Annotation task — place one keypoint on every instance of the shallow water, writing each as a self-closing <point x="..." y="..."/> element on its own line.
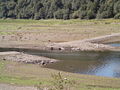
<point x="100" y="64"/>
<point x="115" y="44"/>
<point x="92" y="63"/>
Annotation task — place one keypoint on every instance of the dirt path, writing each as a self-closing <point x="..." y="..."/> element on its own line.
<point x="12" y="87"/>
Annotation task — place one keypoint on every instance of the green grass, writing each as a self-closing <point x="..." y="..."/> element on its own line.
<point x="15" y="24"/>
<point x="74" y="26"/>
<point x="2" y="64"/>
<point x="18" y="80"/>
<point x="25" y="81"/>
<point x="31" y="75"/>
<point x="57" y="21"/>
<point x="6" y="33"/>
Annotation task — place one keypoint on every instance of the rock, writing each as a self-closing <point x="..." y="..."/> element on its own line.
<point x="43" y="63"/>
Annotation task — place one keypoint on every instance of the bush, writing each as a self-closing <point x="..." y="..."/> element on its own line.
<point x="75" y="15"/>
<point x="83" y="15"/>
<point x="58" y="14"/>
<point x="59" y="83"/>
<point x="90" y="15"/>
<point x="117" y="16"/>
<point x="36" y="17"/>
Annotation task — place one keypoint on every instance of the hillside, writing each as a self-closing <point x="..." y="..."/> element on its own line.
<point x="59" y="9"/>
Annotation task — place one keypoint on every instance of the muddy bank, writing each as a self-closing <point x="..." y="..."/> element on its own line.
<point x="94" y="44"/>
<point x="26" y="58"/>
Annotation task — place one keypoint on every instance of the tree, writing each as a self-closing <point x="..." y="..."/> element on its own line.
<point x="117" y="7"/>
<point x="3" y="10"/>
<point x="59" y="14"/>
<point x="117" y="16"/>
<point x="60" y="9"/>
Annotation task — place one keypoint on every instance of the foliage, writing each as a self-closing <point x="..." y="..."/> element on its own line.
<point x="59" y="9"/>
<point x="61" y="83"/>
<point x="117" y="16"/>
<point x="58" y="83"/>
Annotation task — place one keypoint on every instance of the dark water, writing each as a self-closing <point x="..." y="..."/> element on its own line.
<point x="92" y="63"/>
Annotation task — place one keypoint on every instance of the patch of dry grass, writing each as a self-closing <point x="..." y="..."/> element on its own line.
<point x="44" y="31"/>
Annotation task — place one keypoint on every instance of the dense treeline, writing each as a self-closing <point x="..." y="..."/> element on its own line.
<point x="59" y="9"/>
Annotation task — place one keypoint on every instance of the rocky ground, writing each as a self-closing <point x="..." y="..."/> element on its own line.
<point x="26" y="58"/>
<point x="94" y="44"/>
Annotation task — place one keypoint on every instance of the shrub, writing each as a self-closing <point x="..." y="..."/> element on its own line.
<point x="117" y="16"/>
<point x="61" y="83"/>
<point x="58" y="83"/>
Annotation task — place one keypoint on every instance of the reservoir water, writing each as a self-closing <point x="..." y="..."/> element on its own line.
<point x="115" y="44"/>
<point x="92" y="63"/>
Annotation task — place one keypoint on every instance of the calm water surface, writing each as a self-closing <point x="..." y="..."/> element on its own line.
<point x="115" y="44"/>
<point x="93" y="63"/>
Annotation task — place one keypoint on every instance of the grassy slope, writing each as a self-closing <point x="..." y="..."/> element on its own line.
<point x="39" y="32"/>
<point x="22" y="74"/>
<point x="89" y="28"/>
<point x="57" y="30"/>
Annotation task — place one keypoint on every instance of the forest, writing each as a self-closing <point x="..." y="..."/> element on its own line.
<point x="60" y="9"/>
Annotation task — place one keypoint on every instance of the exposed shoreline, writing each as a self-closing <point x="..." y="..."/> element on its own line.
<point x="94" y="44"/>
<point x="26" y="58"/>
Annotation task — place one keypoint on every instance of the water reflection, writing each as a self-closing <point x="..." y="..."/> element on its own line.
<point x="92" y="63"/>
<point x="100" y="64"/>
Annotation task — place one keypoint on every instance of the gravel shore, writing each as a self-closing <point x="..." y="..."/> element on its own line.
<point x="94" y="44"/>
<point x="26" y="58"/>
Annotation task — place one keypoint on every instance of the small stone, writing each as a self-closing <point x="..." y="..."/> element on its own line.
<point x="4" y="59"/>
